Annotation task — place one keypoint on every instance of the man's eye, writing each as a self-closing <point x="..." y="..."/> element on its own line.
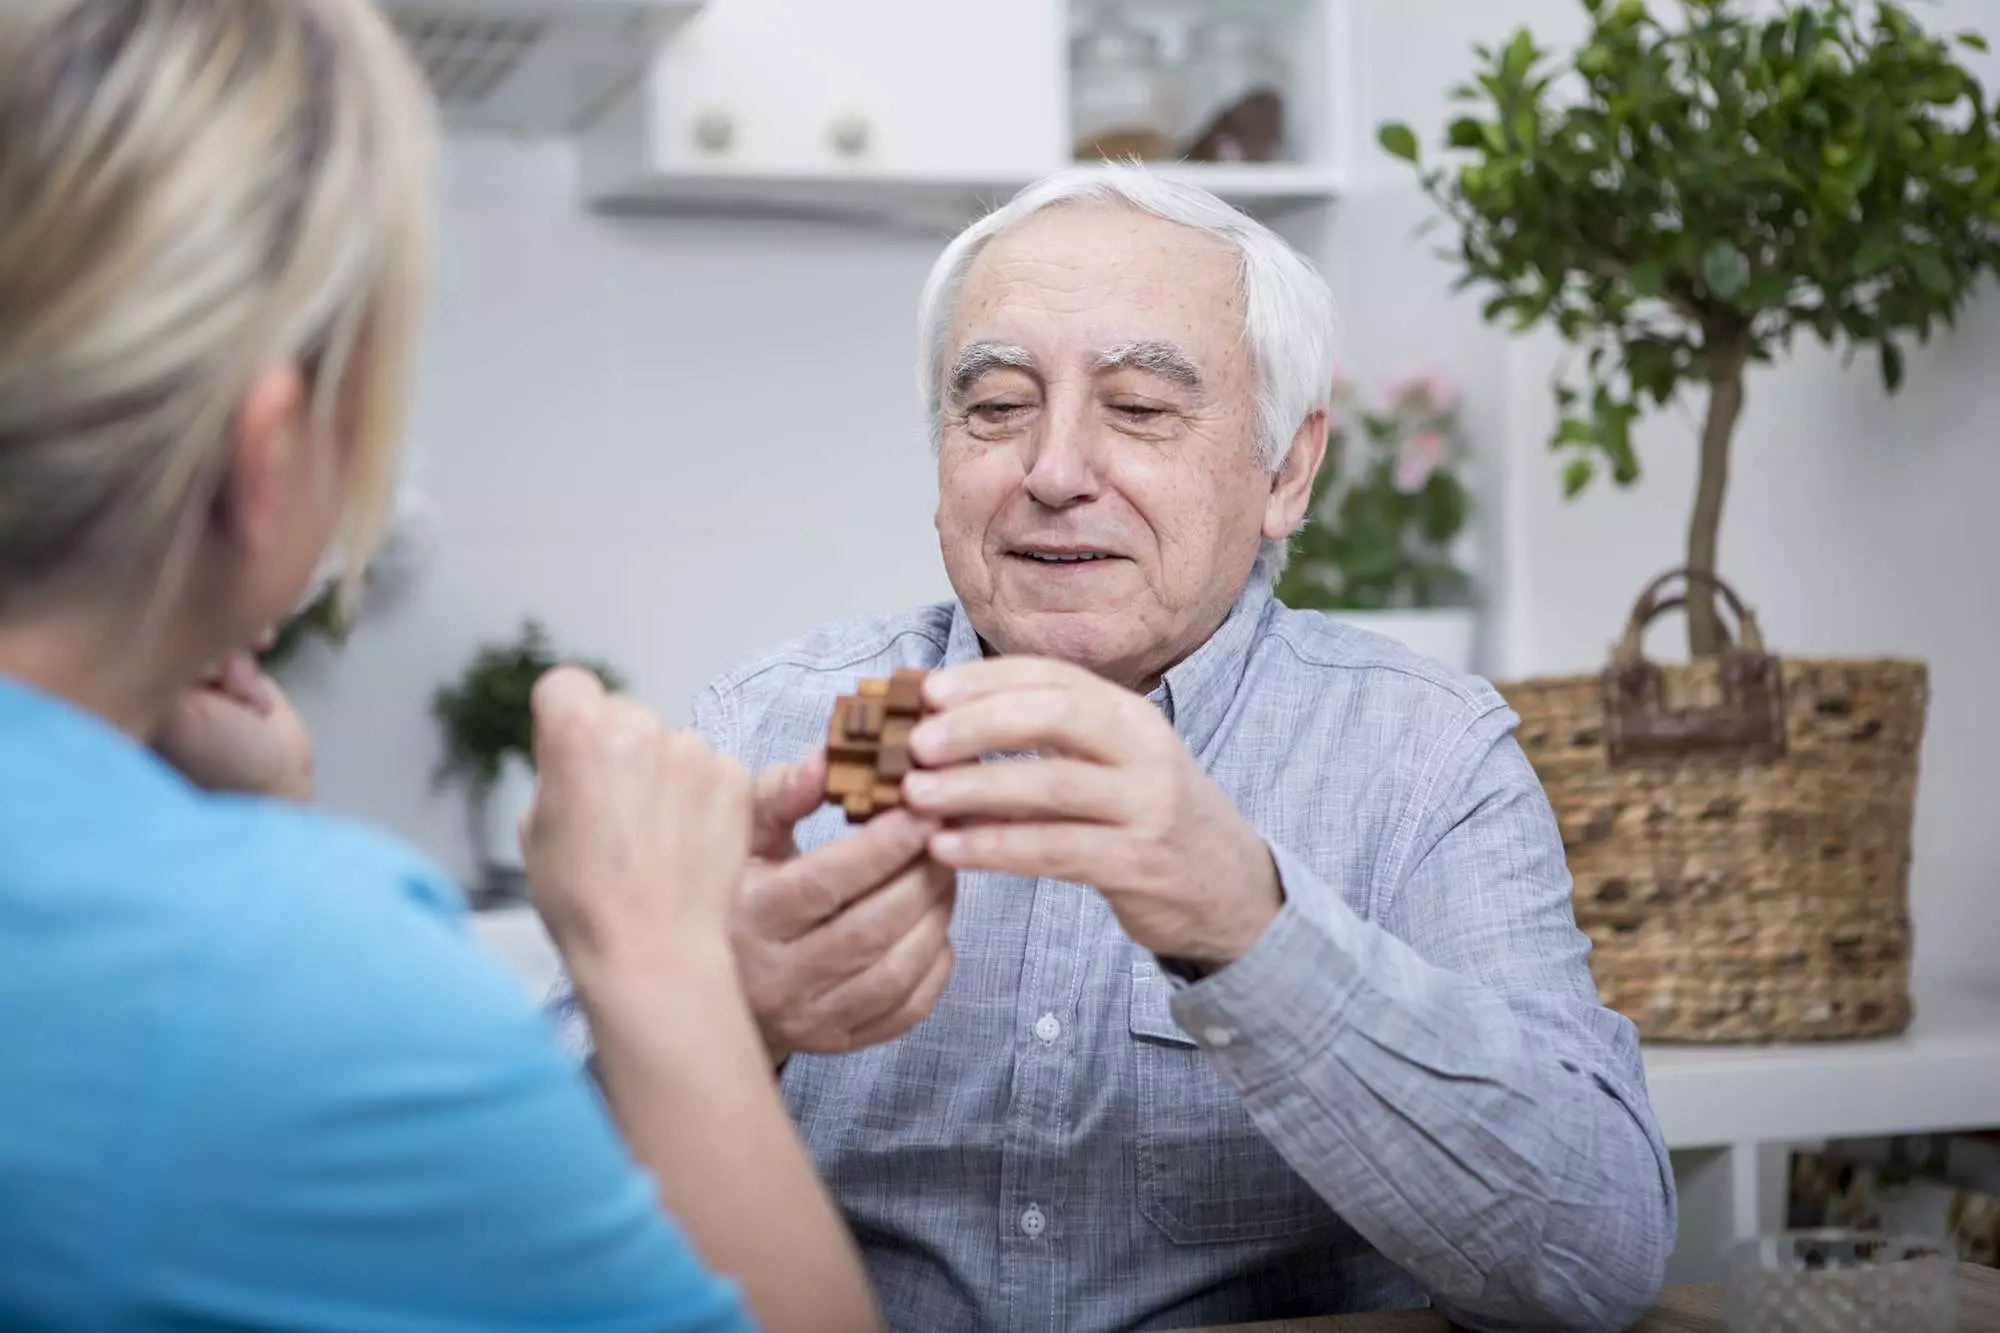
<point x="1138" y="411"/>
<point x="997" y="412"/>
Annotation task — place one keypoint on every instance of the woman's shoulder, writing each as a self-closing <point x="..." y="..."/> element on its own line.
<point x="286" y="1064"/>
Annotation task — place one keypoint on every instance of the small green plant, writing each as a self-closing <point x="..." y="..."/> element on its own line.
<point x="1679" y="200"/>
<point x="322" y="618"/>
<point x="485" y="716"/>
<point x="1386" y="507"/>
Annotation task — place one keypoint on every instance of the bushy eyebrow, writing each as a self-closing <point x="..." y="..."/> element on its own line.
<point x="1154" y="357"/>
<point x="976" y="359"/>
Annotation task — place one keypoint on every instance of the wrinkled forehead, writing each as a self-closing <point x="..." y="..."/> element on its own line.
<point x="1077" y="286"/>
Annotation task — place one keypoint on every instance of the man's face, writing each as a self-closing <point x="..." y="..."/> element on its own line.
<point x="1101" y="494"/>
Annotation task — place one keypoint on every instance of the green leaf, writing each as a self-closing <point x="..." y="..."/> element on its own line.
<point x="1576" y="476"/>
<point x="1932" y="272"/>
<point x="1647" y="278"/>
<point x="1807" y="38"/>
<point x="1573" y="430"/>
<point x="1972" y="41"/>
<point x="1465" y="132"/>
<point x="1876" y="255"/>
<point x="1892" y="366"/>
<point x="1398" y="140"/>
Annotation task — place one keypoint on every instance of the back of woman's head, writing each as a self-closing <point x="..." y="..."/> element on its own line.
<point x="193" y="192"/>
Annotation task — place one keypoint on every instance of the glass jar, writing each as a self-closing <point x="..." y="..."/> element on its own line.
<point x="1121" y="93"/>
<point x="1233" y="93"/>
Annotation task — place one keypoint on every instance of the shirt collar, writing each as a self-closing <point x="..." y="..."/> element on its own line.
<point x="1196" y="694"/>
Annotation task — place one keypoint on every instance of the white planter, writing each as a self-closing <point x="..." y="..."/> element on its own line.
<point x="500" y="815"/>
<point x="1445" y="634"/>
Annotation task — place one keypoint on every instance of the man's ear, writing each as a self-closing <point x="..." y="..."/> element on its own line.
<point x="264" y="454"/>
<point x="1291" y="484"/>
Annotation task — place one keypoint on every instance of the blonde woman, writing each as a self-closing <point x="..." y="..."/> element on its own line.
<point x="253" y="1073"/>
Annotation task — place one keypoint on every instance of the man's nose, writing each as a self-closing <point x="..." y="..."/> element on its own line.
<point x="1062" y="470"/>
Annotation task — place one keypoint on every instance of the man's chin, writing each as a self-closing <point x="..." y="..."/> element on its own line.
<point x="1095" y="638"/>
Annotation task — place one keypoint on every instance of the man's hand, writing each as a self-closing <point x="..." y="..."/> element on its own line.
<point x="636" y="844"/>
<point x="1113" y="800"/>
<point x="235" y="731"/>
<point x="848" y="946"/>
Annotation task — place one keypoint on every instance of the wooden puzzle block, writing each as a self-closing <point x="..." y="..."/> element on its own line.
<point x="868" y="743"/>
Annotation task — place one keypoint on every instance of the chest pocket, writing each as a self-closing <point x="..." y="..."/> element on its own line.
<point x="1206" y="1174"/>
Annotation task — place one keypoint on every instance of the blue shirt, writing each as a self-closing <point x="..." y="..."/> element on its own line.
<point x="1408" y="1089"/>
<point x="255" y="1074"/>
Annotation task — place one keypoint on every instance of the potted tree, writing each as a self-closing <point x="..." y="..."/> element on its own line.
<point x="1679" y="198"/>
<point x="1388" y="507"/>
<point x="488" y="733"/>
<point x="1702" y="193"/>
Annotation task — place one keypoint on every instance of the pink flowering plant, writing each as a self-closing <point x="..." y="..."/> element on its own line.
<point x="1387" y="506"/>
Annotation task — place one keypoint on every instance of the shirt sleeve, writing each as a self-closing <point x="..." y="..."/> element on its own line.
<point x="384" y="1135"/>
<point x="1445" y="1076"/>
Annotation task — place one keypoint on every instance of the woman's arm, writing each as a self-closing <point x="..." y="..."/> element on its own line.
<point x="635" y="849"/>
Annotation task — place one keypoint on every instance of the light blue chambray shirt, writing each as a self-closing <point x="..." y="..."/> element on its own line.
<point x="1408" y="1088"/>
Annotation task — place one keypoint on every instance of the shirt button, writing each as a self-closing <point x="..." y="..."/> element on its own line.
<point x="1219" y="1036"/>
<point x="1048" y="1027"/>
<point x="1032" y="1222"/>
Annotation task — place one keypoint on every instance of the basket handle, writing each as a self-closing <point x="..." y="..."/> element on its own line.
<point x="1652" y="605"/>
<point x="1749" y="722"/>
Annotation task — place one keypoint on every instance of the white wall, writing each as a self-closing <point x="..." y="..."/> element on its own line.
<point x="675" y="441"/>
<point x="678" y="440"/>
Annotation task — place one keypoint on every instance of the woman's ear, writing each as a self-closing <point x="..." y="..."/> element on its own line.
<point x="1291" y="484"/>
<point x="265" y="455"/>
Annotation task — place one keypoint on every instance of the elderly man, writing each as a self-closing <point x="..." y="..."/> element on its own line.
<point x="1267" y="1000"/>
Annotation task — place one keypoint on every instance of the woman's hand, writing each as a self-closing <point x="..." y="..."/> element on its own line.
<point x="235" y="731"/>
<point x="638" y="839"/>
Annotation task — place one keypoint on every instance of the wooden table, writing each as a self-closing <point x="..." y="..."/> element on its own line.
<point x="1681" y="1310"/>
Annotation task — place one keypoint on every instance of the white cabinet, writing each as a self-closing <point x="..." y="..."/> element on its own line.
<point x="923" y="109"/>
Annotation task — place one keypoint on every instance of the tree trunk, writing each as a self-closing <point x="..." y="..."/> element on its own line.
<point x="1726" y="362"/>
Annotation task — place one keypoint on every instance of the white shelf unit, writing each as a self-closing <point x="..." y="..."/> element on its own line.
<point x="1733" y="1113"/>
<point x="921" y="111"/>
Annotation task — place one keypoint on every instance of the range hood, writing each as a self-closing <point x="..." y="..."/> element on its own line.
<point x="532" y="67"/>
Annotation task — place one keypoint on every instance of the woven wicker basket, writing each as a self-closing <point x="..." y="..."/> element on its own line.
<point x="1739" y="832"/>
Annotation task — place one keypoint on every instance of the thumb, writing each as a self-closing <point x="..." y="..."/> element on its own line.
<point x="781" y="796"/>
<point x="563" y="700"/>
<point x="242" y="680"/>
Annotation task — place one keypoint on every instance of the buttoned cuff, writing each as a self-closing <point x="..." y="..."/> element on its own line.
<point x="1278" y="1007"/>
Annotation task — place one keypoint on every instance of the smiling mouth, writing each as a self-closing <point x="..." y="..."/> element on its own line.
<point x="1064" y="557"/>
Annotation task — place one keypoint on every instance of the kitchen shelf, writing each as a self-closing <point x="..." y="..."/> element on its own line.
<point x="1941" y="1074"/>
<point x="931" y="199"/>
<point x="887" y="111"/>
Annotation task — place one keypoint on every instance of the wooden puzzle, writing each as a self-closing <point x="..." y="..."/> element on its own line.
<point x="868" y="743"/>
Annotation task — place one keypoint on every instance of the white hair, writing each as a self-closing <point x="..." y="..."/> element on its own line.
<point x="1288" y="311"/>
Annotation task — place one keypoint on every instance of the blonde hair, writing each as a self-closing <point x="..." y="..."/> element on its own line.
<point x="193" y="192"/>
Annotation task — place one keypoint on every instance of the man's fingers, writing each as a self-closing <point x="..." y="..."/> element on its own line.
<point x="880" y="991"/>
<point x="914" y="1009"/>
<point x="1072" y="722"/>
<point x="950" y="687"/>
<point x="1076" y="853"/>
<point x="854" y="940"/>
<point x="801" y="893"/>
<point x="1021" y="789"/>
